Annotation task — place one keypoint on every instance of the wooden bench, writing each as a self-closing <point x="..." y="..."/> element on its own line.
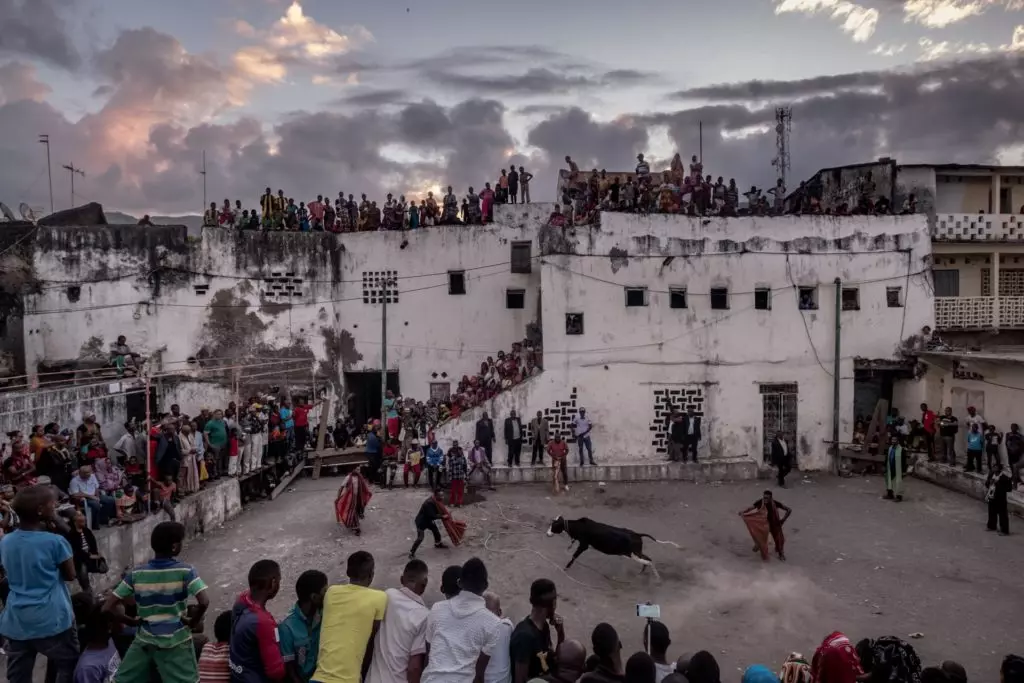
<point x="353" y="456"/>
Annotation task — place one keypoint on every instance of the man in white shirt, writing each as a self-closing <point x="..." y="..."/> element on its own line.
<point x="125" y="447"/>
<point x="499" y="669"/>
<point x="462" y="635"/>
<point x="400" y="648"/>
<point x="581" y="428"/>
<point x="85" y="491"/>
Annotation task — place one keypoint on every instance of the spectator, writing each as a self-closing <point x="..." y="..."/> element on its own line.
<point x="975" y="444"/>
<point x="759" y="673"/>
<point x="299" y="633"/>
<point x="513" y="185"/>
<point x="351" y="620"/>
<point x="1014" y="449"/>
<point x="399" y="651"/>
<point x="513" y="438"/>
<point x="499" y="669"/>
<point x="703" y="668"/>
<point x="608" y="657"/>
<point x="215" y="440"/>
<point x="83" y="545"/>
<point x="461" y="631"/>
<point x="640" y="668"/>
<point x="450" y="578"/>
<point x="558" y="450"/>
<point x="524" y="180"/>
<point x="656" y="642"/>
<point x="1012" y="669"/>
<point x="255" y="656"/>
<point x="85" y="491"/>
<point x="478" y="463"/>
<point x="531" y="647"/>
<point x="954" y="671"/>
<point x="214" y="659"/>
<point x="456" y="467"/>
<point x="160" y="590"/>
<point x="99" y="660"/>
<point x="435" y="461"/>
<point x="582" y="427"/>
<point x="997" y="486"/>
<point x="948" y="428"/>
<point x="37" y="616"/>
<point x="539" y="427"/>
<point x="993" y="440"/>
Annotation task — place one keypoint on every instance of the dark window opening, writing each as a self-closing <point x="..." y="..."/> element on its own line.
<point x="808" y="298"/>
<point x="574" y="323"/>
<point x="74" y="293"/>
<point x="522" y="257"/>
<point x="515" y="298"/>
<point x="456" y="282"/>
<point x="851" y="299"/>
<point x="719" y="298"/>
<point x="636" y="296"/>
<point x="894" y="297"/>
<point x="763" y="299"/>
<point x="677" y="297"/>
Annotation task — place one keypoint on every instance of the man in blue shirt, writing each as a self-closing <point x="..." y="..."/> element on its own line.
<point x="299" y="633"/>
<point x="374" y="454"/>
<point x="435" y="460"/>
<point x="37" y="619"/>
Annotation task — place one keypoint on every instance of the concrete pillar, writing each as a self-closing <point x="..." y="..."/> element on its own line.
<point x="996" y="188"/>
<point x="995" y="289"/>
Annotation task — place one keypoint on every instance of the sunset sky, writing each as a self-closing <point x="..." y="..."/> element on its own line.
<point x="375" y="96"/>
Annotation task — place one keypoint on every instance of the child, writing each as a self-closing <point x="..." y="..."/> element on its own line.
<point x="162" y="495"/>
<point x="160" y="589"/>
<point x="413" y="463"/>
<point x="390" y="463"/>
<point x="213" y="662"/>
<point x="99" y="660"/>
<point x="254" y="652"/>
<point x="133" y="470"/>
<point x="993" y="439"/>
<point x="299" y="633"/>
<point x="456" y="467"/>
<point x="37" y="617"/>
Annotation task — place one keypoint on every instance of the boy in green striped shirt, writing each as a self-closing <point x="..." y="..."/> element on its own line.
<point x="160" y="590"/>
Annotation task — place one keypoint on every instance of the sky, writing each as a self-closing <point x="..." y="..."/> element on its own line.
<point x="410" y="96"/>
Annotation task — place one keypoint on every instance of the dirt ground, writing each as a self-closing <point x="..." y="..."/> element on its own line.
<point x="856" y="563"/>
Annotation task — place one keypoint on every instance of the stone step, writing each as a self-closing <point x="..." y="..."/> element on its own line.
<point x="704" y="472"/>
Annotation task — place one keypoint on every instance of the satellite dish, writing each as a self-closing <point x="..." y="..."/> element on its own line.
<point x="26" y="212"/>
<point x="8" y="214"/>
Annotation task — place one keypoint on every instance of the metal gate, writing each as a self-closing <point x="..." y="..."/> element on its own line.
<point x="778" y="403"/>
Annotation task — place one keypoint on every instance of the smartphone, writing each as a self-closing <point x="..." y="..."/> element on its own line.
<point x="648" y="611"/>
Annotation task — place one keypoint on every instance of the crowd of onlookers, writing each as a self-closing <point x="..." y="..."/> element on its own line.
<point x="153" y="623"/>
<point x="347" y="214"/>
<point x="691" y="192"/>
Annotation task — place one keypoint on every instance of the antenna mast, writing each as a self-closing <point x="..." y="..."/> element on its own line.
<point x="783" y="127"/>
<point x="70" y="168"/>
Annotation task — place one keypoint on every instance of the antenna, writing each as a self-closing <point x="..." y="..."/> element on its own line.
<point x="45" y="140"/>
<point x="783" y="127"/>
<point x="72" y="170"/>
<point x="203" y="173"/>
<point x="26" y="212"/>
<point x="6" y="211"/>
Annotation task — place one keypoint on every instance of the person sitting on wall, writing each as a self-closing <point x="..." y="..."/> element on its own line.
<point x="211" y="216"/>
<point x="121" y="356"/>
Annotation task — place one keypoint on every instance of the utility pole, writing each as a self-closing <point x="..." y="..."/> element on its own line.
<point x="203" y="173"/>
<point x="387" y="284"/>
<point x="72" y="170"/>
<point x="45" y="140"/>
<point x="700" y="141"/>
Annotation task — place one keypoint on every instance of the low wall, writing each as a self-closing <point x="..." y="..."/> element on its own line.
<point x="740" y="469"/>
<point x="967" y="483"/>
<point x="127" y="546"/>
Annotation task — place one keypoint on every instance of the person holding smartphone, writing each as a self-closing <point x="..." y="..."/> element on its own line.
<point x="531" y="650"/>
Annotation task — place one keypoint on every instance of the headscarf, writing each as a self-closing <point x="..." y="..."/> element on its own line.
<point x="795" y="669"/>
<point x="759" y="673"/>
<point x="835" y="661"/>
<point x="889" y="660"/>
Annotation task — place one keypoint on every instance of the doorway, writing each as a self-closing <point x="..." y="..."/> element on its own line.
<point x="135" y="406"/>
<point x="778" y="405"/>
<point x="363" y="394"/>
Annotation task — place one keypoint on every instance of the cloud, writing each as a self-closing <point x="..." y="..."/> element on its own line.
<point x="889" y="50"/>
<point x="538" y="81"/>
<point x="38" y="29"/>
<point x="856" y="20"/>
<point x="590" y="142"/>
<point x="932" y="50"/>
<point x="18" y="82"/>
<point x="373" y="98"/>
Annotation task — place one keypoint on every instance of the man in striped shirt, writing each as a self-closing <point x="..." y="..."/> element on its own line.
<point x="161" y="589"/>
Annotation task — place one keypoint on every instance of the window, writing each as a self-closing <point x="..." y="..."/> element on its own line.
<point x="456" y="282"/>
<point x="851" y="299"/>
<point x="894" y="297"/>
<point x="807" y="298"/>
<point x="522" y="257"/>
<point x="376" y="285"/>
<point x="719" y="298"/>
<point x="440" y="391"/>
<point x="636" y="296"/>
<point x="677" y="297"/>
<point x="763" y="299"/>
<point x="947" y="282"/>
<point x="515" y="298"/>
<point x="574" y="323"/>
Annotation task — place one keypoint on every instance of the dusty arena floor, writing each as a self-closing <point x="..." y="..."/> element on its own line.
<point x="856" y="563"/>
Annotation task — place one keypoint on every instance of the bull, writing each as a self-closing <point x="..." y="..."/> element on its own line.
<point x="610" y="540"/>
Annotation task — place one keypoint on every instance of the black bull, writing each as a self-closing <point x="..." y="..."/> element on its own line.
<point x="610" y="540"/>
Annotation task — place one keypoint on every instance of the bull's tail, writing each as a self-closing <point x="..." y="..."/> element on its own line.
<point x="661" y="542"/>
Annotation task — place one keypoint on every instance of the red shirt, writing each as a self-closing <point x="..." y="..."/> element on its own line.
<point x="928" y="421"/>
<point x="301" y="415"/>
<point x="558" y="449"/>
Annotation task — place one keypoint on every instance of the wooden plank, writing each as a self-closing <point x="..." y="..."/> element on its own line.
<point x="285" y="481"/>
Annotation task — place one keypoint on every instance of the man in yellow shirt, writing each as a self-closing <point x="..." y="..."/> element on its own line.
<point x="351" y="618"/>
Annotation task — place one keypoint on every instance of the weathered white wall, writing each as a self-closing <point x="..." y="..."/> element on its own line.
<point x="65" y="406"/>
<point x="919" y="181"/>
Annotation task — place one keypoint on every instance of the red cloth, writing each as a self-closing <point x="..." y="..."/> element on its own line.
<point x="393" y="425"/>
<point x="353" y="497"/>
<point x="301" y="415"/>
<point x="456" y="529"/>
<point x="928" y="421"/>
<point x="458" y="489"/>
<point x="835" y="661"/>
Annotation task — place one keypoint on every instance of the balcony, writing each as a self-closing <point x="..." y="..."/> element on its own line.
<point x="953" y="313"/>
<point x="978" y="227"/>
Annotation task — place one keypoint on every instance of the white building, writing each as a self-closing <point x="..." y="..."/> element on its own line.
<point x="636" y="315"/>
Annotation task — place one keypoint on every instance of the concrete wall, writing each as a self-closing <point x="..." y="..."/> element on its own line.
<point x="919" y="181"/>
<point x="127" y="546"/>
<point x="962" y="194"/>
<point x="65" y="406"/>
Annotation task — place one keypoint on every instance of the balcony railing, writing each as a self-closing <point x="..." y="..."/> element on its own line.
<point x="978" y="312"/>
<point x="978" y="227"/>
